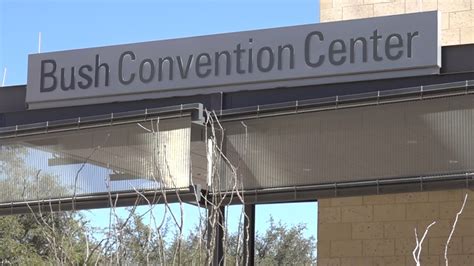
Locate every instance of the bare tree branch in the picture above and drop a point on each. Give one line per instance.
(419, 244)
(452, 230)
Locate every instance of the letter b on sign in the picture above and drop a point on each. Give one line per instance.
(48, 78)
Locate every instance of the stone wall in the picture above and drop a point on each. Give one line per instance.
(379, 229)
(457, 19)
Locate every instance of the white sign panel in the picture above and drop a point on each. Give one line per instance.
(374, 48)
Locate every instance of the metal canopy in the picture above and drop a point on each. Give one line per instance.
(65, 161)
(406, 139)
(409, 139)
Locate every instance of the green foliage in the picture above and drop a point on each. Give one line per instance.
(283, 245)
(38, 239)
(21, 181)
(192, 247)
(64, 238)
(139, 242)
(34, 239)
(61, 238)
(15, 247)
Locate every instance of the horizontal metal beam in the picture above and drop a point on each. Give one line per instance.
(102, 200)
(63, 161)
(193, 110)
(122, 176)
(357, 188)
(256, 196)
(350, 101)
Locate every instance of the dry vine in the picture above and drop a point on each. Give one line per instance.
(419, 242)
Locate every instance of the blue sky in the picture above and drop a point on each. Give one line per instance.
(72, 24)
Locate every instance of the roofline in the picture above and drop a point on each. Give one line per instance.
(13, 108)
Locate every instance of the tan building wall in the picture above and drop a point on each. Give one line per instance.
(379, 229)
(457, 20)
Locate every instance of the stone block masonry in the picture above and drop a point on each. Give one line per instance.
(379, 229)
(457, 18)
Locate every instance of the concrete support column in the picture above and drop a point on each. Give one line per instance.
(218, 258)
(249, 236)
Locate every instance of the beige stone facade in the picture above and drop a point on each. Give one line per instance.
(457, 19)
(379, 229)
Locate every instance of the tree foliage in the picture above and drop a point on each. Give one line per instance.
(41, 238)
(283, 245)
(25, 239)
(65, 238)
